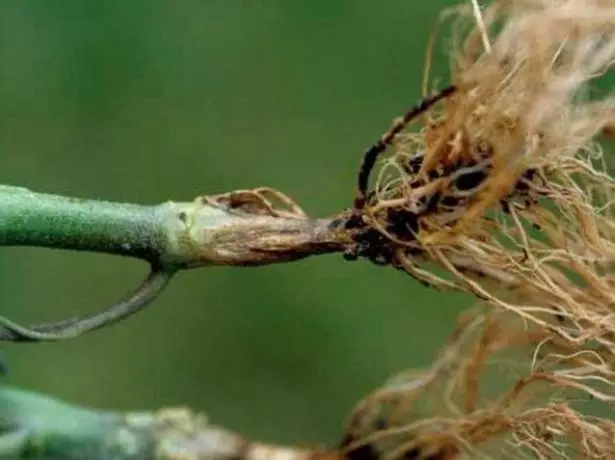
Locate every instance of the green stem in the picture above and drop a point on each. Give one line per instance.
(36, 427)
(37, 219)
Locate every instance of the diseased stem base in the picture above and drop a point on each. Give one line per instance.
(239, 229)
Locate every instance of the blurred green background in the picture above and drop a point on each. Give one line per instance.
(149, 101)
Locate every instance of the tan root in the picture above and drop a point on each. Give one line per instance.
(504, 185)
(491, 393)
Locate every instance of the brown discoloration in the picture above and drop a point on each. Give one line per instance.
(259, 231)
(242, 449)
(257, 240)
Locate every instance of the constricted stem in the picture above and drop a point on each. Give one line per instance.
(238, 229)
(171, 234)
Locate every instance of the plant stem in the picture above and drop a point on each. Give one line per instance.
(239, 229)
(174, 234)
(36, 219)
(34, 426)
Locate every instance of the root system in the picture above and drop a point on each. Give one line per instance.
(503, 193)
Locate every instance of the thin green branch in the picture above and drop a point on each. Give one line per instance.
(155, 282)
(239, 229)
(36, 427)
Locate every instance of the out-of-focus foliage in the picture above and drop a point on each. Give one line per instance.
(149, 101)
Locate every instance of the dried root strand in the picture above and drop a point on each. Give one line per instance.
(371, 154)
(259, 201)
(453, 410)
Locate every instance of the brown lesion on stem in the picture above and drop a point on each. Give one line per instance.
(265, 226)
